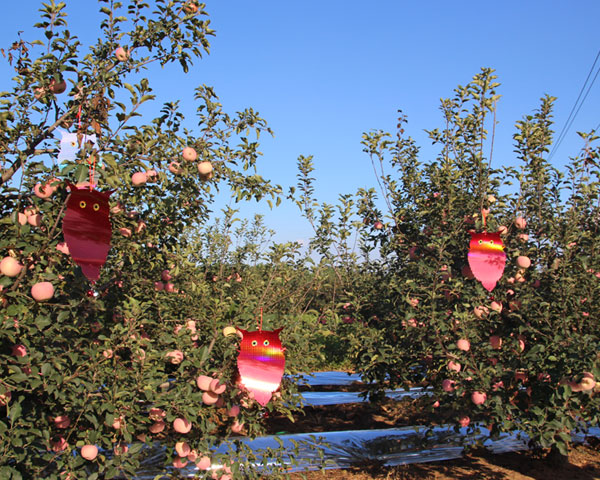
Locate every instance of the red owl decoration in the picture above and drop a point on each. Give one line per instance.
(487, 258)
(261, 363)
(87, 229)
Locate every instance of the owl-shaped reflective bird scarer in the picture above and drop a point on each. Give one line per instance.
(87, 229)
(261, 362)
(487, 258)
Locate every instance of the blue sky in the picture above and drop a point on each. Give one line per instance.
(323, 72)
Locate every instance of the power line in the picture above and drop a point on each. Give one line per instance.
(576, 108)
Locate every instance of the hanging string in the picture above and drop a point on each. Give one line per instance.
(92, 158)
(261, 320)
(484, 214)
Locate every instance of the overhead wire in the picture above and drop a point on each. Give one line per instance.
(576, 107)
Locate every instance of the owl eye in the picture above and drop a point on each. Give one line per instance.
(96, 207)
(254, 343)
(491, 242)
(82, 204)
(266, 343)
(480, 242)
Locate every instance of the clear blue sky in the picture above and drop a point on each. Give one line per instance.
(323, 72)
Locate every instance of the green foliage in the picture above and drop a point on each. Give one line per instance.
(104, 356)
(548, 321)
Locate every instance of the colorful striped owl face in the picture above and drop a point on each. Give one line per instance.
(487, 258)
(261, 363)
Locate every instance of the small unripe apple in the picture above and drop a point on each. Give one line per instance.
(378, 225)
(523, 261)
(166, 275)
(126, 232)
(189, 154)
(481, 311)
(10, 267)
(229, 331)
(496, 306)
(502, 230)
(42, 291)
(139, 178)
(179, 462)
(158, 286)
(89, 452)
(463, 344)
(121, 54)
(181, 425)
(169, 287)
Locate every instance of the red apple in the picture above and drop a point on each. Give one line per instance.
(57, 87)
(182, 448)
(10, 267)
(175, 356)
(478, 398)
(89, 452)
(523, 262)
(139, 178)
(62, 421)
(121, 54)
(42, 291)
(463, 344)
(496, 342)
(189, 154)
(520, 223)
(181, 425)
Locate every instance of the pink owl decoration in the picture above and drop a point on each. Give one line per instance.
(87, 229)
(261, 362)
(487, 258)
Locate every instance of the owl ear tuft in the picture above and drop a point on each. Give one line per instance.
(278, 331)
(107, 193)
